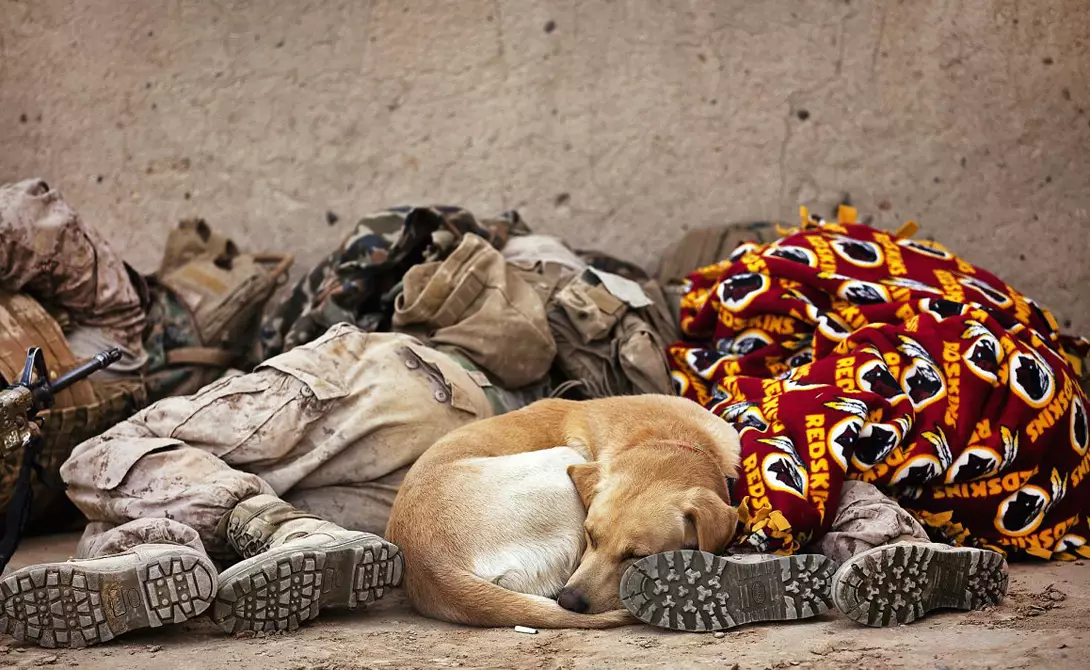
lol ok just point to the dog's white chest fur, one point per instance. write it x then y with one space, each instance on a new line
528 534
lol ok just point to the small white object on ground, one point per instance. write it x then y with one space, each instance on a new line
720 634
524 629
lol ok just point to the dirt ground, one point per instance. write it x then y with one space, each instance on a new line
1041 624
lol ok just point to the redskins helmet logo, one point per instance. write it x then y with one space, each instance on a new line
983 357
725 346
942 309
680 381
939 441
801 357
876 441
910 492
926 250
1070 543
1043 314
863 293
704 361
853 406
858 252
739 291
1010 446
750 340
781 473
793 253
752 418
875 377
828 324
843 437
1080 440
917 471
1021 512
974 463
796 385
743 415
1031 379
923 383
741 250
993 295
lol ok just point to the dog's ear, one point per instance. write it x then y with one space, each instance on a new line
585 477
714 519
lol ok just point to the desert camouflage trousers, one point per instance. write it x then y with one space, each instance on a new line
331 427
866 518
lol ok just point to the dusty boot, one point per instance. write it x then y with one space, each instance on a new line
899 583
83 602
697 591
294 565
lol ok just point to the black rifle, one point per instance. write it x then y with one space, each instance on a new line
20 429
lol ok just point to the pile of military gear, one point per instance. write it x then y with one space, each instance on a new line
608 321
65 291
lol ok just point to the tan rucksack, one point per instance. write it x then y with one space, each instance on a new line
207 300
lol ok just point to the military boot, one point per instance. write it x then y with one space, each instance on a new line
887 585
294 564
83 602
697 591
899 583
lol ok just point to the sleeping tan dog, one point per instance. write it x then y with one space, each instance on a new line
500 517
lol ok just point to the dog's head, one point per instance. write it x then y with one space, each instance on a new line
649 499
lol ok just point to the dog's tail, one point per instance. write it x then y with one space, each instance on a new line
462 597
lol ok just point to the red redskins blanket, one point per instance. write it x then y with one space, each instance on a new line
843 351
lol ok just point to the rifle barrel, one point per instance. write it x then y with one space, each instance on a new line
100 361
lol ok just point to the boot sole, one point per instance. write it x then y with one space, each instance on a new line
285 586
72 605
696 591
901 583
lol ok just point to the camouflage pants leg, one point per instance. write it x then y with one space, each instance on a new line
867 518
330 426
104 539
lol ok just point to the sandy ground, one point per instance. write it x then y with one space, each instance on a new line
1041 624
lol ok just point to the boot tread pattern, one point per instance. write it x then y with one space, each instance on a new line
904 582
66 605
697 591
283 588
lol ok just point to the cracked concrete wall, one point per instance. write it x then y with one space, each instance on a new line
617 124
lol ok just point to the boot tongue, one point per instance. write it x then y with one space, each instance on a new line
258 523
295 529
289 537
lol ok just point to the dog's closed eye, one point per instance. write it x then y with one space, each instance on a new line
633 555
591 539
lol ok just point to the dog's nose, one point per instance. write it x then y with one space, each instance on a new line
573 600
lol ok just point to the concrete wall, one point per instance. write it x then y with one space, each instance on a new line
614 123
